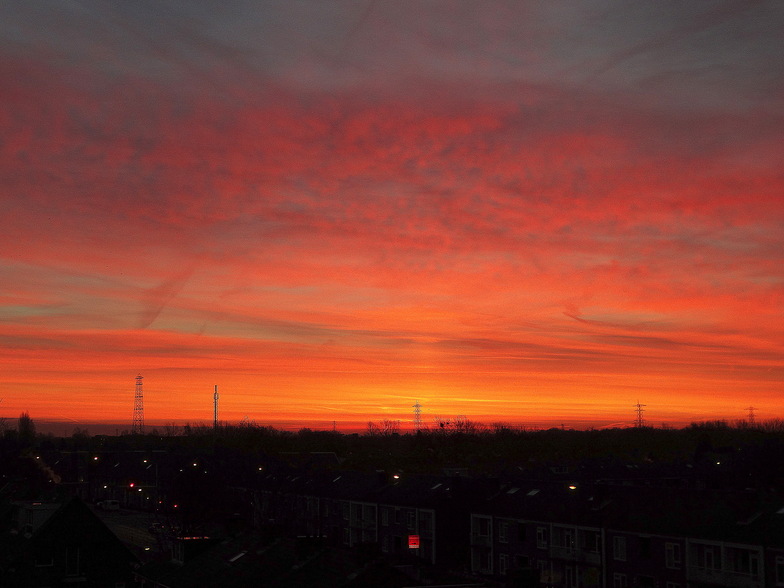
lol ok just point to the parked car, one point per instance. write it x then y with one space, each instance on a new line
109 505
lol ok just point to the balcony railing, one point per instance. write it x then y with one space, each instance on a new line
724 578
576 555
363 524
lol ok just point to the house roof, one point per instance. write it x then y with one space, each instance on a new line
741 516
728 515
69 521
433 491
251 559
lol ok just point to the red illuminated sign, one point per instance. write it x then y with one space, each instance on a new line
413 541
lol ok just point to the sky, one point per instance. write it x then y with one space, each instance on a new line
539 213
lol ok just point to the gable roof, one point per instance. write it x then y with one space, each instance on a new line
61 524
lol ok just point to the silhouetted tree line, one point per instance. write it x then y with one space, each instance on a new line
457 442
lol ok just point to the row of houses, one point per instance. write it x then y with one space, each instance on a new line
630 536
539 532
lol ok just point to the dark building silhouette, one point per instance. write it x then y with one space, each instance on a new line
59 544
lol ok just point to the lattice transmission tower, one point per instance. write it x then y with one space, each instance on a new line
752 421
417 416
640 408
138 408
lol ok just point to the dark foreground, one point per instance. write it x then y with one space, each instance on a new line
251 506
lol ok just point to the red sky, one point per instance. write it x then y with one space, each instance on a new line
512 211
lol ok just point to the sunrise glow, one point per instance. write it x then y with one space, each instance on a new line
512 211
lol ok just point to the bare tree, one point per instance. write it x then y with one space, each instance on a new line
389 427
462 424
386 428
172 429
442 423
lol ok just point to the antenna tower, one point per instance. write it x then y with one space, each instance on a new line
138 408
417 416
751 410
640 409
215 409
